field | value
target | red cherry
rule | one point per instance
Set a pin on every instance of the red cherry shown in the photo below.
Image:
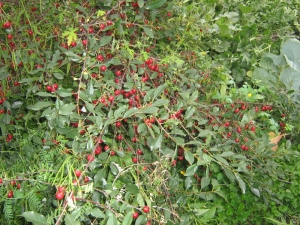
(90, 158)
(1, 181)
(6, 25)
(73, 44)
(139, 152)
(84, 42)
(55, 86)
(106, 147)
(146, 209)
(13, 183)
(134, 160)
(117, 92)
(10, 194)
(120, 137)
(226, 124)
(86, 179)
(61, 189)
(174, 162)
(118, 73)
(30, 32)
(59, 195)
(9, 36)
(134, 139)
(100, 58)
(77, 173)
(237, 110)
(180, 158)
(49, 88)
(102, 26)
(112, 153)
(103, 68)
(118, 124)
(135, 215)
(111, 98)
(98, 150)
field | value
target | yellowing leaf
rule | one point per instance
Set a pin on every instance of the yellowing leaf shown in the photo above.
(71, 35)
(274, 139)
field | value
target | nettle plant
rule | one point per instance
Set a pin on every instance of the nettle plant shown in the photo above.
(108, 118)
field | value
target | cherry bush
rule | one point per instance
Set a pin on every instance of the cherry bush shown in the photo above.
(144, 112)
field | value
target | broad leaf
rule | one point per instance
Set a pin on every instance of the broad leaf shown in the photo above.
(148, 31)
(35, 218)
(127, 218)
(67, 109)
(205, 181)
(189, 157)
(70, 220)
(191, 170)
(241, 183)
(105, 40)
(39, 105)
(155, 4)
(96, 212)
(112, 220)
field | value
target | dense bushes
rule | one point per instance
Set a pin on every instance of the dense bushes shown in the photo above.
(149, 112)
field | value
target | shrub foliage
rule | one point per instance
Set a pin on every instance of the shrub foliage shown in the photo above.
(149, 112)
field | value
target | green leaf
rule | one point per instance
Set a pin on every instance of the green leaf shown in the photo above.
(205, 181)
(291, 49)
(35, 218)
(241, 183)
(188, 182)
(141, 3)
(156, 143)
(220, 159)
(70, 220)
(210, 214)
(189, 112)
(119, 111)
(179, 141)
(245, 9)
(191, 170)
(142, 219)
(3, 74)
(155, 4)
(16, 105)
(64, 92)
(227, 154)
(105, 40)
(66, 109)
(160, 102)
(199, 212)
(6, 119)
(112, 220)
(39, 105)
(114, 169)
(96, 212)
(130, 187)
(130, 112)
(127, 218)
(44, 94)
(149, 109)
(229, 174)
(255, 191)
(189, 157)
(148, 31)
(72, 55)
